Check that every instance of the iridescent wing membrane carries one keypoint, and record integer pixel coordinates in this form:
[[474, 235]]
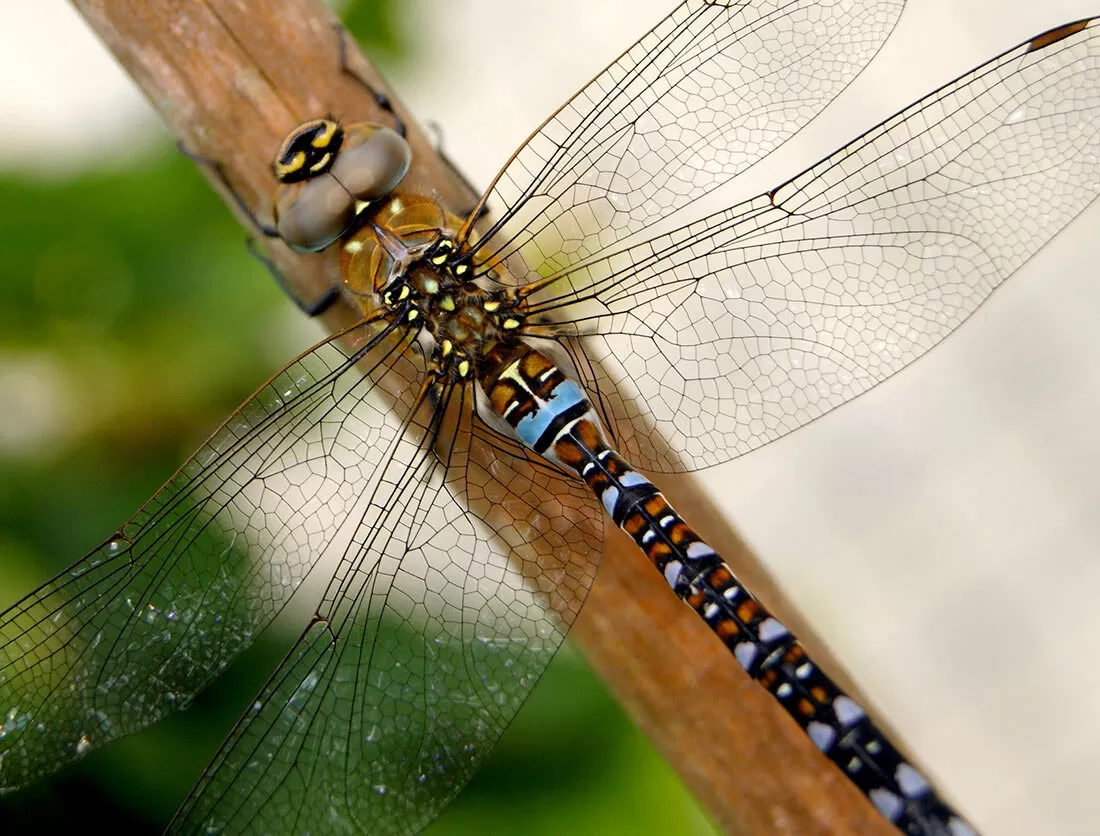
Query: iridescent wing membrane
[[729, 332], [142, 623], [713, 88], [454, 592]]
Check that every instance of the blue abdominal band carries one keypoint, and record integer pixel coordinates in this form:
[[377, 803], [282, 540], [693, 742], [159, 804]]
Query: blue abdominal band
[[565, 396]]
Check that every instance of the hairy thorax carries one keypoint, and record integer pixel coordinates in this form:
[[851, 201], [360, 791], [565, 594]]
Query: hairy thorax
[[403, 258]]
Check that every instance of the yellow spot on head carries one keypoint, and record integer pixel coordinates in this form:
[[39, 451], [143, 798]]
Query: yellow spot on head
[[283, 169], [323, 139], [510, 323], [492, 306], [447, 303]]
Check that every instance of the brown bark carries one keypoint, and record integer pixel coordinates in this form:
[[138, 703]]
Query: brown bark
[[231, 78]]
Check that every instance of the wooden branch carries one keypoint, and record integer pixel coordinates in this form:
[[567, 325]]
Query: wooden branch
[[231, 79]]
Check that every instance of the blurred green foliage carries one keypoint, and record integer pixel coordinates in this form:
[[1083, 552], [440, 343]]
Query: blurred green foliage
[[132, 322]]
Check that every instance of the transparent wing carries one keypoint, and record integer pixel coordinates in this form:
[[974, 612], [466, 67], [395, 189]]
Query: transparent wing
[[730, 332], [139, 626], [710, 90], [465, 571]]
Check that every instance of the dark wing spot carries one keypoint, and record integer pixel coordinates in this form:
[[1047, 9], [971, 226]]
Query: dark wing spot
[[1055, 35]]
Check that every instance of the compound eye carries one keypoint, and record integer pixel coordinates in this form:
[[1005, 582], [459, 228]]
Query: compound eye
[[372, 161], [312, 214]]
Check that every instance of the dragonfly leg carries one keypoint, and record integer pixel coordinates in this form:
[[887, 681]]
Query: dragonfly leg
[[312, 308], [437, 131], [315, 307], [380, 98], [267, 229], [384, 102]]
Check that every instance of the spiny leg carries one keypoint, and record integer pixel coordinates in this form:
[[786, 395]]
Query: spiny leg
[[315, 308], [267, 229], [309, 308], [385, 103], [380, 98], [435, 129]]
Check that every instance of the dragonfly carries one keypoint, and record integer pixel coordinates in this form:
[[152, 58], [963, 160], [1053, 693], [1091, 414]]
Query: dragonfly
[[508, 383]]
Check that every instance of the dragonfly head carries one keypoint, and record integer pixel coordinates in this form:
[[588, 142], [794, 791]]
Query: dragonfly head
[[328, 174]]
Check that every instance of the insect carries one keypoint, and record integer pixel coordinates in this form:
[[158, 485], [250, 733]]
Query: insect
[[460, 443]]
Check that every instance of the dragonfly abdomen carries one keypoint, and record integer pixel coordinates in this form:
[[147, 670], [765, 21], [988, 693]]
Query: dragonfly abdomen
[[762, 645], [551, 415]]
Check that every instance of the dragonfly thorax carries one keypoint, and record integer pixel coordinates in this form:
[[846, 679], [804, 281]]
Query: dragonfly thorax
[[403, 259]]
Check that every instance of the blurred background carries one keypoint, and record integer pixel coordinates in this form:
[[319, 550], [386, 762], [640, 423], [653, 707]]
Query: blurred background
[[941, 533]]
